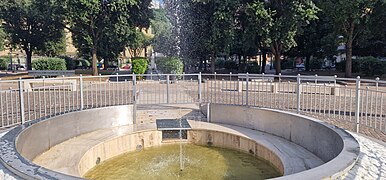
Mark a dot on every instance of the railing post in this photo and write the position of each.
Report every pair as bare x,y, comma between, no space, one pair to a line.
357,103
246,91
199,88
117,77
81,92
22,118
134,99
167,88
298,92
377,83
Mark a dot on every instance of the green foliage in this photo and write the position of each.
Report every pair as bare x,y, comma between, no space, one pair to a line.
232,65
3,37
253,68
288,63
316,64
49,64
31,24
139,65
106,26
4,63
371,66
171,65
220,63
82,64
70,62
162,29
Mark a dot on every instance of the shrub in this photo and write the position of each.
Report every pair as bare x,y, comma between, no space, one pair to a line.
356,66
316,64
371,66
70,62
220,63
288,63
253,68
49,64
230,65
171,65
4,63
82,64
139,65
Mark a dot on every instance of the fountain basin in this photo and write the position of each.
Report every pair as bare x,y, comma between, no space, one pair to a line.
251,130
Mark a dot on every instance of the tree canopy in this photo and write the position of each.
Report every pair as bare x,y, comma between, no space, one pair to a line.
32,26
106,25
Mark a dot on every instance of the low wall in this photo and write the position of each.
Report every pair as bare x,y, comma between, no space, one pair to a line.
117,146
329,143
231,141
45,134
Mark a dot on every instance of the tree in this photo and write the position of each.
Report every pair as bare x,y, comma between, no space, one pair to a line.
285,18
162,30
31,25
90,20
3,37
349,18
372,41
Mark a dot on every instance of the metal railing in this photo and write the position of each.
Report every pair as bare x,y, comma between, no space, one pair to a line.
352,103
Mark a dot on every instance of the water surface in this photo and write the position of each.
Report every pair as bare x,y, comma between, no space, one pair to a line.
200,162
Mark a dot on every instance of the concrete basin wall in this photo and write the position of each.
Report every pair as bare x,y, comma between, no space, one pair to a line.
329,143
45,134
117,146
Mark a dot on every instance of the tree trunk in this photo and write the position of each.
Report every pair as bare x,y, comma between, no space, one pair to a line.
307,63
29,59
264,62
277,63
213,63
94,61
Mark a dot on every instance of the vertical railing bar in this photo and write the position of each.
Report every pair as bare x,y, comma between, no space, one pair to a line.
167,89
345,103
371,109
28,105
376,109
81,92
6,107
324,99
357,102
40,103
2,109
44,96
351,108
298,93
50,100
199,88
367,105
21,101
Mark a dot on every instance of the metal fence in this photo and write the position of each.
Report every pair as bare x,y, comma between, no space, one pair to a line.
358,102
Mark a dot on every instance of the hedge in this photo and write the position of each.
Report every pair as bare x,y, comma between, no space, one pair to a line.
49,64
369,66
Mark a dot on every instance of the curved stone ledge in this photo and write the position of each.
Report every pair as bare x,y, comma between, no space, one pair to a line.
333,145
23,143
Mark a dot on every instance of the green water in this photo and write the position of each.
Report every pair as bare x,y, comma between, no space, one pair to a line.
201,162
